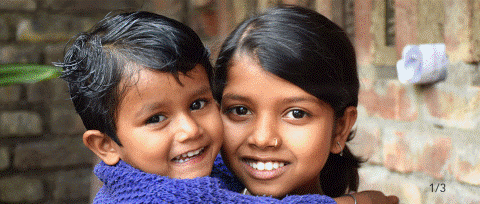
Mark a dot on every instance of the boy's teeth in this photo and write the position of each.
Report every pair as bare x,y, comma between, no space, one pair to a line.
268,166
186,156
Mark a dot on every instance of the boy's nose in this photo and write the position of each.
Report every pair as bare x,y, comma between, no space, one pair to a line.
186,128
264,133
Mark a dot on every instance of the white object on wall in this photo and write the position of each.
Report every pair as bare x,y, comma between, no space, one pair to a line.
422,64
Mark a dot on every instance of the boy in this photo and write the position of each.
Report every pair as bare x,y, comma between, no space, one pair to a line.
141,84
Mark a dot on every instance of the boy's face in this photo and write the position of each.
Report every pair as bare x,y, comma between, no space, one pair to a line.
167,128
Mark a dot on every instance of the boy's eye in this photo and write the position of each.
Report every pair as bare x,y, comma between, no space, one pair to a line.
198,104
240,110
296,114
156,119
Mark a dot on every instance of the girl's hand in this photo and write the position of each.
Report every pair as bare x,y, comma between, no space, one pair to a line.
368,197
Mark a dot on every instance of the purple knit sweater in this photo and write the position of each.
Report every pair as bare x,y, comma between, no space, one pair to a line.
125,184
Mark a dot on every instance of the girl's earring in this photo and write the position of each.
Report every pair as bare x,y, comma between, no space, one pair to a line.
341,150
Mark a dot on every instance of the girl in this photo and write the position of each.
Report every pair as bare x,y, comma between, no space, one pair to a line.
288,87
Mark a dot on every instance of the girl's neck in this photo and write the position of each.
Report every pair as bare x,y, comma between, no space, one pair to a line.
312,188
316,188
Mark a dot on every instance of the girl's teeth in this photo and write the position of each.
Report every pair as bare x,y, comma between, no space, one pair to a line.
268,166
260,166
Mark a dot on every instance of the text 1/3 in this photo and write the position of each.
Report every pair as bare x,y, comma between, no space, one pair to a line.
439,187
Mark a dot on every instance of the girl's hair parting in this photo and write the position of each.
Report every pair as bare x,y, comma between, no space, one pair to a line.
97,60
310,51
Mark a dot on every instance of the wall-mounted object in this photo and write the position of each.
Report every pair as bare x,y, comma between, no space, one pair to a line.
422,64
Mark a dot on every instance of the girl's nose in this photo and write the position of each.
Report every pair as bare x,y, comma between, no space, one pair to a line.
265,133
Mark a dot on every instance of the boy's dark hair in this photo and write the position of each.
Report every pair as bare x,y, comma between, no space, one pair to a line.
310,51
97,61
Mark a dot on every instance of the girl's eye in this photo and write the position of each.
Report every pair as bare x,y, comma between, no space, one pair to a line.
156,119
296,114
198,104
239,110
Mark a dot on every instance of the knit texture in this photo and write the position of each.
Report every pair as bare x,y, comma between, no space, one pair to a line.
125,184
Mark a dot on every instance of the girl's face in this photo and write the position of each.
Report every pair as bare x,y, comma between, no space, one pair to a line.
277,136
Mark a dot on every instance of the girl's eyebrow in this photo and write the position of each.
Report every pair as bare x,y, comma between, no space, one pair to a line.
294,99
234,97
300,99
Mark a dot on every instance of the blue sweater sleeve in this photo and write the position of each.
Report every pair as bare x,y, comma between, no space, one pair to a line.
125,184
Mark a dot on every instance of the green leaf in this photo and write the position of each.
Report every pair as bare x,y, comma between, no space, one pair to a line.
26,73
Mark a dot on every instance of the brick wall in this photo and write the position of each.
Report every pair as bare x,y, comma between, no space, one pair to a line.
416,138
422,141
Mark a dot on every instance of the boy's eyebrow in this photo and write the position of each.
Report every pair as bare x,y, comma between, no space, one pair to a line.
149,108
153,106
202,90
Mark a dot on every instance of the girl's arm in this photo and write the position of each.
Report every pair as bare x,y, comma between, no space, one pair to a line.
368,197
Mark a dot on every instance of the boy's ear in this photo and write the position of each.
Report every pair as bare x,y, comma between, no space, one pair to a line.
343,128
102,145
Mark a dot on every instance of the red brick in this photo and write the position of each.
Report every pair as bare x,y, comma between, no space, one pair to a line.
367,142
363,35
454,107
4,158
391,100
466,164
459,41
91,6
66,121
431,21
20,123
452,194
398,155
21,189
4,30
434,157
206,23
18,5
406,24
10,94
324,7
67,151
296,2
51,28
171,8
20,54
376,178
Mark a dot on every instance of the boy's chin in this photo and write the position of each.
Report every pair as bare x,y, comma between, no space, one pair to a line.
194,174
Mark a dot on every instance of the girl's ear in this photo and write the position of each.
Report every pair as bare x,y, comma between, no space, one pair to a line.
102,145
342,129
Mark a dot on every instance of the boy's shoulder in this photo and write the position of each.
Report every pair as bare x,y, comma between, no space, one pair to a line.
228,179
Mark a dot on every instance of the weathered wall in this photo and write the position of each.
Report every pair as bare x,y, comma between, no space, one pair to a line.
414,137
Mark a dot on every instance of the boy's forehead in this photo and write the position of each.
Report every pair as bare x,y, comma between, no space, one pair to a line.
136,74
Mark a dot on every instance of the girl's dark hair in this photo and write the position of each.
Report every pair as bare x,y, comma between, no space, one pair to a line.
97,61
310,51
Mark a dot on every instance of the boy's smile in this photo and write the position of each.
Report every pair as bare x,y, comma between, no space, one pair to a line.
168,128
